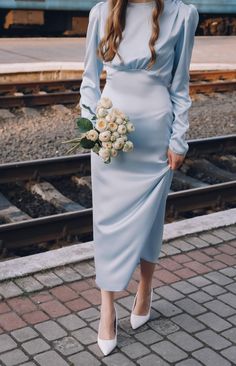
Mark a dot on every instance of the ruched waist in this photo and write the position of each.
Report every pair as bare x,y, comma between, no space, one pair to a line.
136,81
138,91
133,73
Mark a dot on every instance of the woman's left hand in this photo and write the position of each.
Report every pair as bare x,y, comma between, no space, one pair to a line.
175,160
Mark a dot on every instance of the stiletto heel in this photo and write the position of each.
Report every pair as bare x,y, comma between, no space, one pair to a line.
107,345
138,320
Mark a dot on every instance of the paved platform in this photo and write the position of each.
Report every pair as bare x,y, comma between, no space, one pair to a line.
43,55
220,49
173,232
51,317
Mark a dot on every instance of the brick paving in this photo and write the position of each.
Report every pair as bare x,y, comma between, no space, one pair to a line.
51,318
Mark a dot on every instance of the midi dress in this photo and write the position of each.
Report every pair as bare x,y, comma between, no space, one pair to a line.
129,194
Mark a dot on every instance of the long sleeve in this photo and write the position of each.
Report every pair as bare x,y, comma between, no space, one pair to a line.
90,87
179,89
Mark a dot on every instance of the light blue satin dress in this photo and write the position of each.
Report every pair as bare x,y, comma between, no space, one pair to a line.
129,194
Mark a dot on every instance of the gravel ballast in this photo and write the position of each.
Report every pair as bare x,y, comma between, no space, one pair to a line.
36,133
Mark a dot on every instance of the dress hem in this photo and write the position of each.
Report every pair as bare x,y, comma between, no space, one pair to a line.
124,287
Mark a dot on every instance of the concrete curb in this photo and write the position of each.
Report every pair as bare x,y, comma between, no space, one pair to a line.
212,66
29,67
198,224
18,267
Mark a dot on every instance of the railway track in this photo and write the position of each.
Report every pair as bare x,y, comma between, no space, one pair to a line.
206,182
32,94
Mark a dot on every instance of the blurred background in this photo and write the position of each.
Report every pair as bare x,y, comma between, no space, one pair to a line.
69,17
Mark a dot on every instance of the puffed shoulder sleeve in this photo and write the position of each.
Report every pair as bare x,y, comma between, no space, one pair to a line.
90,86
179,89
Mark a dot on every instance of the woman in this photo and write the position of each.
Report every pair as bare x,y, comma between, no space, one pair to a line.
145,48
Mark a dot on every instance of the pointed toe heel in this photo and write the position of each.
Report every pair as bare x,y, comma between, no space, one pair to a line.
138,320
107,345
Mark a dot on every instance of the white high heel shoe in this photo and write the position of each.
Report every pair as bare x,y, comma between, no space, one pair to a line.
107,345
138,320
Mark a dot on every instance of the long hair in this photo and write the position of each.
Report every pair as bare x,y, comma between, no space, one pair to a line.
115,25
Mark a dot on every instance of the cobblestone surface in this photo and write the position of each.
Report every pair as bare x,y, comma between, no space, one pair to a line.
51,318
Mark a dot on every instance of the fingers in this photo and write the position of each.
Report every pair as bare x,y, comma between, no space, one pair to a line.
175,160
169,158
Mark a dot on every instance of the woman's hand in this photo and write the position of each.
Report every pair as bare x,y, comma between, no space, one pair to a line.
175,160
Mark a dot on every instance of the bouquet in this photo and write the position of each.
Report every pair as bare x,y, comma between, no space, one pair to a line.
108,135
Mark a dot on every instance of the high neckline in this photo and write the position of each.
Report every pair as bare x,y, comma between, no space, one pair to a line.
149,3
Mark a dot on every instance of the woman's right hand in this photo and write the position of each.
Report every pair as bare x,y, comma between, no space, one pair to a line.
175,160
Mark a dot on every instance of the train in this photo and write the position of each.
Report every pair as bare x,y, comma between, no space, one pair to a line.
70,17
64,17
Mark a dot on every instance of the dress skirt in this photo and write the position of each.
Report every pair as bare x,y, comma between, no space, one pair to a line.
129,194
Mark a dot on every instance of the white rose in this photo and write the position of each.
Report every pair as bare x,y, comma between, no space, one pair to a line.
105,103
114,152
130,127
128,146
119,121
116,111
102,112
125,137
112,117
108,118
92,135
105,136
122,115
101,124
104,153
116,135
122,129
107,144
112,126
119,143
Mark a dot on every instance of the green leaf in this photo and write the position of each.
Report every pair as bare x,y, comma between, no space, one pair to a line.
96,148
84,124
87,144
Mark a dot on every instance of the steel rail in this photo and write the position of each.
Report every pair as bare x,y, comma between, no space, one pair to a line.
212,87
213,75
67,91
37,230
58,226
215,195
33,169
29,232
195,75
